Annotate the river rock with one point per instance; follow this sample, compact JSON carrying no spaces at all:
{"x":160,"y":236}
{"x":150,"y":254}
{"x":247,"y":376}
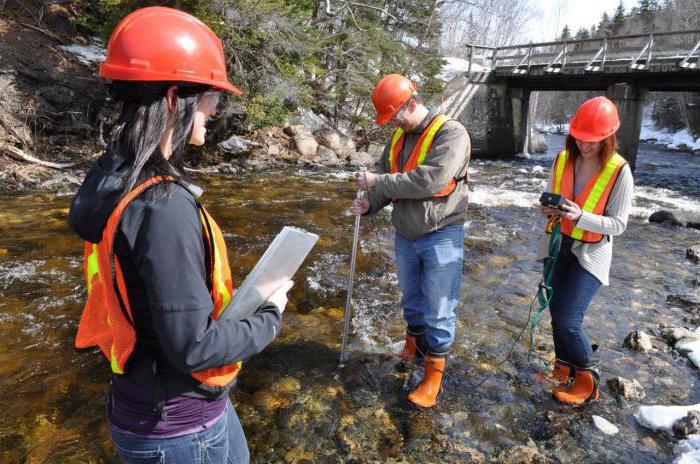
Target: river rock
{"x":629,"y":389}
{"x":693,"y":253}
{"x":519,"y":455}
{"x":238,"y":145}
{"x":689,"y":425}
{"x":336,"y":141}
{"x":304,"y":141}
{"x":676,"y":218}
{"x":605,"y":426}
{"x":327,"y":157}
{"x":538,"y":144}
{"x":689,"y":301}
{"x":273,"y":150}
{"x":309,"y":119}
{"x":361,"y":158}
{"x":638,"y":341}
{"x":673,"y":334}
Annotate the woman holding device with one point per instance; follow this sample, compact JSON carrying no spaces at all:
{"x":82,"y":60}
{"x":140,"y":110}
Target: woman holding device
{"x":595,"y":188}
{"x":156,"y":268}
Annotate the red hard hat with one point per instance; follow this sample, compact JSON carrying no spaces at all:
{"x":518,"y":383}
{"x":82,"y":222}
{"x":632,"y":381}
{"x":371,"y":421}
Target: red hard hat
{"x":164,"y":44}
{"x":596,"y":119}
{"x":390,"y":94}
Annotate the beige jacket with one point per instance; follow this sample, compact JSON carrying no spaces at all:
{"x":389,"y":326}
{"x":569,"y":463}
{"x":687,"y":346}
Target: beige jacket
{"x":415,"y":212}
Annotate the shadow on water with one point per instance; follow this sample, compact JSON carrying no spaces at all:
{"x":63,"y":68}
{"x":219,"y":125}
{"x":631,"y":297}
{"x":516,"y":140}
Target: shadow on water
{"x":296,"y":405}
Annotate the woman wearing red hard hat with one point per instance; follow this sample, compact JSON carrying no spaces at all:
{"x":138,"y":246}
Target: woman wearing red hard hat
{"x":156,"y":267}
{"x":596,"y":188}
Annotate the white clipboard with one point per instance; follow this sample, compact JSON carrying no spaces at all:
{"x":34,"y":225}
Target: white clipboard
{"x":277,"y":265}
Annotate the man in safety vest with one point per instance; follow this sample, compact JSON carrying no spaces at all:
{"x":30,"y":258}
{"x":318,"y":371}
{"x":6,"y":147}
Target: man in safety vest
{"x":424,"y":170}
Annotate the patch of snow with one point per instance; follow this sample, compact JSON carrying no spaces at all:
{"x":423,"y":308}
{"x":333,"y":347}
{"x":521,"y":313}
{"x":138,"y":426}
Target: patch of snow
{"x":676,"y":140}
{"x":663,"y":417}
{"x":87,"y":54}
{"x":691,"y":348}
{"x":552,"y":128}
{"x":456,"y":66}
{"x":688,"y":450}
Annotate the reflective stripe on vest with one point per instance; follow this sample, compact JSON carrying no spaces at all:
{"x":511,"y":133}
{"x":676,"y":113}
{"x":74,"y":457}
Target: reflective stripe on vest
{"x":419,"y":153}
{"x":592,"y":199}
{"x":107,"y":321}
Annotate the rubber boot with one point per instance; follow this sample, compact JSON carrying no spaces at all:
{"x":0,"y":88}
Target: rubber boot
{"x":425,"y":394}
{"x":563,"y":372}
{"x":584,"y":388}
{"x":409,"y":348}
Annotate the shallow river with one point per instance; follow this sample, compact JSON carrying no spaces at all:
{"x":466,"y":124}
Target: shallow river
{"x":294,"y":402}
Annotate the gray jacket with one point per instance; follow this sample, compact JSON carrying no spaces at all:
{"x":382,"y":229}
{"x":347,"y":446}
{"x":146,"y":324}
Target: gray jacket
{"x":415,"y":212}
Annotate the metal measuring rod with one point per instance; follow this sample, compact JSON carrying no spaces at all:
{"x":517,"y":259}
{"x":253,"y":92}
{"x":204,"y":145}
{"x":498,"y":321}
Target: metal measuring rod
{"x":351,"y":281}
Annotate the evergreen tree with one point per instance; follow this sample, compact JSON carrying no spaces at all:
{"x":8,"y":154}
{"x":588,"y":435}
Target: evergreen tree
{"x":565,"y":33}
{"x":604,"y":26}
{"x":618,"y":20}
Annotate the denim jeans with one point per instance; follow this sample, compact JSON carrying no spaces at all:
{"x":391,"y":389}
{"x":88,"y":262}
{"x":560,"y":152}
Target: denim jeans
{"x":222,"y":443}
{"x":430,"y":274}
{"x":573,"y":289}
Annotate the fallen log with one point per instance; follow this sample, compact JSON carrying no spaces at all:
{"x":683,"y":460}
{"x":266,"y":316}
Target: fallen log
{"x":22,"y":156}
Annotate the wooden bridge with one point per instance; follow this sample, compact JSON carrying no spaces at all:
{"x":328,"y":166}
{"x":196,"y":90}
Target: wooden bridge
{"x":624,"y":67}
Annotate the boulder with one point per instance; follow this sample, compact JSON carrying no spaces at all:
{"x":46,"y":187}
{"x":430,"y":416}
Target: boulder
{"x":689,"y":425}
{"x":693,"y":253}
{"x":334,"y":140}
{"x":628,"y":389}
{"x":361,"y":158}
{"x":673,"y":334}
{"x":238,"y":145}
{"x":304,"y":141}
{"x":538,"y":144}
{"x":676,"y":218}
{"x":375,"y":150}
{"x":638,"y":341}
{"x":327,"y":157}
{"x":310,"y":120}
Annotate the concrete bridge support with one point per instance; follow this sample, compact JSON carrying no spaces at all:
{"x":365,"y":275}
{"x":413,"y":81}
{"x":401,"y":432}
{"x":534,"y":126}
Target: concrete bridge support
{"x":630,"y":104}
{"x":507,"y":124}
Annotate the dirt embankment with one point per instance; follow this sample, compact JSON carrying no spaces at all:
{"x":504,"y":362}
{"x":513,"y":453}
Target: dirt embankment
{"x":55,"y":114}
{"x":51,"y":104}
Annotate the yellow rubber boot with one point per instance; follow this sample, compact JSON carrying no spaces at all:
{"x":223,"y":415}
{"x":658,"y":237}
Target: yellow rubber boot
{"x":563,"y":372}
{"x":409,"y":348}
{"x":584,"y":388}
{"x":425,"y":394}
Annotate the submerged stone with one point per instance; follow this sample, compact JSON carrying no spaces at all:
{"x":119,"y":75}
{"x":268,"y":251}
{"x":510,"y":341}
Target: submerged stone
{"x":605,"y":426}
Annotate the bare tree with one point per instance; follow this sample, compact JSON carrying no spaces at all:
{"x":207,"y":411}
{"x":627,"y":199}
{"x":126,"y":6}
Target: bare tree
{"x":489,"y":22}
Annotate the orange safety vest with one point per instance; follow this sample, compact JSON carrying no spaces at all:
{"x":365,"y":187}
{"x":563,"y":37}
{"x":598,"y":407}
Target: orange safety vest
{"x":592,"y":199}
{"x":107,"y":321}
{"x":419,"y":153}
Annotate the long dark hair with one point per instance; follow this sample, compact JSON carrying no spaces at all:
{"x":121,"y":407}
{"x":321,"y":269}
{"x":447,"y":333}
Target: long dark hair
{"x":607,"y":149}
{"x":144,"y":119}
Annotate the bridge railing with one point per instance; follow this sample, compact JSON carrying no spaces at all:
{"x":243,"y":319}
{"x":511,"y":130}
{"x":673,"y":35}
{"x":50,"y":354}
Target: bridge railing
{"x":661,"y":51}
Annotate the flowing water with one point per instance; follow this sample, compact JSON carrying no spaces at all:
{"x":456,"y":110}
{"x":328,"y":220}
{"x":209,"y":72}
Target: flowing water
{"x":296,"y":405}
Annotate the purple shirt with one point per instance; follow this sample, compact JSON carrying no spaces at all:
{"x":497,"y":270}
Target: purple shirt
{"x":132,"y":410}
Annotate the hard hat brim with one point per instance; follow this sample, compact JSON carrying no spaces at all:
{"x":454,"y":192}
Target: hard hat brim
{"x":383,"y":119}
{"x":587,"y":137}
{"x":120,"y":73}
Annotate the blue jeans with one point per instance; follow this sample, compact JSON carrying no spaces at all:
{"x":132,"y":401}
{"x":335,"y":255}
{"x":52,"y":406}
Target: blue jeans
{"x":573,"y":289}
{"x":430,"y":274}
{"x":222,"y":443}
